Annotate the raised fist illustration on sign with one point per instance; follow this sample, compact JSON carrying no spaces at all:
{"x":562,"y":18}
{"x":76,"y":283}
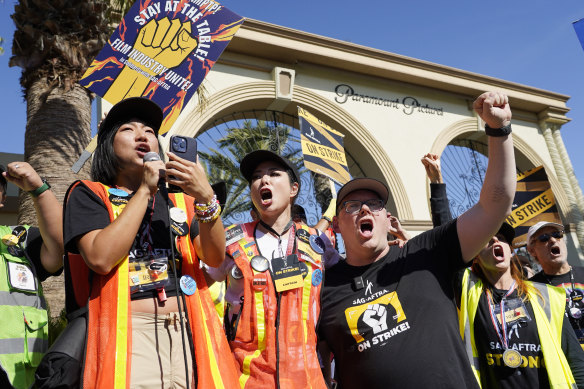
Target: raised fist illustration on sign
{"x":375,"y":316}
{"x":161,"y":45}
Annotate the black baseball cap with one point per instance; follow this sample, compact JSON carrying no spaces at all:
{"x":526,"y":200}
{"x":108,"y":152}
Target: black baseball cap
{"x":370,"y":184}
{"x":508,"y":232}
{"x":134,"y":107}
{"x":252,"y":160}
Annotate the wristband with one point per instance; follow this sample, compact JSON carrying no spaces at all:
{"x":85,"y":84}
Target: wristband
{"x":503,"y":131}
{"x":44,"y":187}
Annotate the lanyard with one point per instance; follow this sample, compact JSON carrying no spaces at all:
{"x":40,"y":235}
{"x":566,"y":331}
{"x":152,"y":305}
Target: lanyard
{"x":145,"y":225}
{"x":502,"y":330}
{"x":148,"y":232}
{"x":290,"y":226}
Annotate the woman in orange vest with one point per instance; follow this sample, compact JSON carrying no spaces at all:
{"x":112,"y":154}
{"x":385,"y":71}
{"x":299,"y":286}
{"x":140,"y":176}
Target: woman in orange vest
{"x":274,"y":271}
{"x":146,"y":304}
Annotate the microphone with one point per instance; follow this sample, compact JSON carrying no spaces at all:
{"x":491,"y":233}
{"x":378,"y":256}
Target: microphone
{"x":151,"y":156}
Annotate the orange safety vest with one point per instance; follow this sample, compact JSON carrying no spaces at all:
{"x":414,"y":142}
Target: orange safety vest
{"x":109,"y":343}
{"x":275,"y":340}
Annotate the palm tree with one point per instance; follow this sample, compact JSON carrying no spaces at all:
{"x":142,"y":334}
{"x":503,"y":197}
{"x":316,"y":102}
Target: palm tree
{"x":54,"y":42}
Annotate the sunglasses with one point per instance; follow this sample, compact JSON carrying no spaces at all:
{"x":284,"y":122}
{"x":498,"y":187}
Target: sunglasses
{"x":545,"y":237}
{"x":354,"y":206}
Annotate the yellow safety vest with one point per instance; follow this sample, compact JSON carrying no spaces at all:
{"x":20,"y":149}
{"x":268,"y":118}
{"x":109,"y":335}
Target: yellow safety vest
{"x":108,"y":354}
{"x":24,"y":330}
{"x":549,"y":319}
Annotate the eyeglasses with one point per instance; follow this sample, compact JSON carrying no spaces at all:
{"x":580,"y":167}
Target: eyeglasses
{"x":545,"y":237}
{"x":354,"y":206}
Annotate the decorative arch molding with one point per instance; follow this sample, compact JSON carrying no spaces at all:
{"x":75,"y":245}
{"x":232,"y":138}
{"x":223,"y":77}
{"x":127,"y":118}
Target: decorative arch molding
{"x":471,"y":125}
{"x":221,"y":102}
{"x":447,"y":135}
{"x":240,"y":97}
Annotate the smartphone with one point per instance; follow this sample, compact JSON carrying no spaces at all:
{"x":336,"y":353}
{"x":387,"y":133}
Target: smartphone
{"x":184,"y":147}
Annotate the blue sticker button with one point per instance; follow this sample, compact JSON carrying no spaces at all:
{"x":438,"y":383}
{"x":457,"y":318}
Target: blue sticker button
{"x":316,"y":277}
{"x":118,"y":192}
{"x":188,"y":285}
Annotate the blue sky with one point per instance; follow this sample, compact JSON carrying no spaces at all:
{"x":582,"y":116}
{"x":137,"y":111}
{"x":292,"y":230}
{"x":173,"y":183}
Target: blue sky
{"x":528,"y":42}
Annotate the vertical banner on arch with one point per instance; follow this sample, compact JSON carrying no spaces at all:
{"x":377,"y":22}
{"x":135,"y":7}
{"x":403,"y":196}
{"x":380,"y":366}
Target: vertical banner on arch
{"x":162,"y":50}
{"x":534,"y":202}
{"x":322,"y":147}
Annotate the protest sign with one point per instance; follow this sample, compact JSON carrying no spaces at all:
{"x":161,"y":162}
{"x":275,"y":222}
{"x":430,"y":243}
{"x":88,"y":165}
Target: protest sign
{"x":322,"y":148}
{"x":162,"y":50}
{"x":534,"y":202}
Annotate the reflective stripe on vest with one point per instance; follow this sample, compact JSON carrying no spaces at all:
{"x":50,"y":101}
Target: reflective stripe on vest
{"x":108,"y":356}
{"x":16,"y":345}
{"x":216,"y":367}
{"x":123,"y":323}
{"x":24,"y":331}
{"x":297,"y":310}
{"x":466,"y":321}
{"x":549,"y":316}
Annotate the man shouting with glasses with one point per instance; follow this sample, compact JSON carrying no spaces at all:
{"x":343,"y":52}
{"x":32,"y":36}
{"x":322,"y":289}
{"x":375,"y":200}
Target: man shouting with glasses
{"x":546,"y":243}
{"x":387,"y":313}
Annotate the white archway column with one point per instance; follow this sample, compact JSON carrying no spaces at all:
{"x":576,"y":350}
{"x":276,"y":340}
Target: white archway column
{"x":574,"y":215}
{"x":568,"y":167}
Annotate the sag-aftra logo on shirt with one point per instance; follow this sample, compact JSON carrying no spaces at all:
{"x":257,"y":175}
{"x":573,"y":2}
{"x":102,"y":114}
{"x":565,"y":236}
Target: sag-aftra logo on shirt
{"x":376,"y":319}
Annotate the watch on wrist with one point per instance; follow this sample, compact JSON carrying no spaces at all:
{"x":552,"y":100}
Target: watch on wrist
{"x":503,"y":131}
{"x":44,"y":187}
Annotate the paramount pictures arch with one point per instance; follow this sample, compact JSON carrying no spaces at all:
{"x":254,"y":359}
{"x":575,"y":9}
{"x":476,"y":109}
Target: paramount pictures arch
{"x":391,"y":109}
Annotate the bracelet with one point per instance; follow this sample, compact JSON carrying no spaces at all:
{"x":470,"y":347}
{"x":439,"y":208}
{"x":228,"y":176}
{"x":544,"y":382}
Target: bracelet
{"x":44,"y":187}
{"x":204,"y":206}
{"x":209,"y":218}
{"x":503,"y":131}
{"x":208,"y":212}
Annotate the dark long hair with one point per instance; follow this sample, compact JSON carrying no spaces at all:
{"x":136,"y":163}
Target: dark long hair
{"x":105,"y":165}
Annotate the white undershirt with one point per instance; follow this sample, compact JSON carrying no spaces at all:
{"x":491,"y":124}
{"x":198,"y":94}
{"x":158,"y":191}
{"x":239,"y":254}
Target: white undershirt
{"x":268,"y":244}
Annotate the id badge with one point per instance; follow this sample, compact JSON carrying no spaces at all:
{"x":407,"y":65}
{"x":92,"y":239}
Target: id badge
{"x":515,"y":312}
{"x":21,"y":277}
{"x":148,"y":273}
{"x":286,"y":273}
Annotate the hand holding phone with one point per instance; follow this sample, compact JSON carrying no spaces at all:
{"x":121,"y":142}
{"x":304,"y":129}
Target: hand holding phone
{"x":183,"y":147}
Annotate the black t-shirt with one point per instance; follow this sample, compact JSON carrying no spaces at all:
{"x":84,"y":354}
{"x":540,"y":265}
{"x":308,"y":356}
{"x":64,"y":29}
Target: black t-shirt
{"x":86,"y":212}
{"x":34,"y":241}
{"x":400,"y":329}
{"x":522,"y":337}
{"x":574,"y":296}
